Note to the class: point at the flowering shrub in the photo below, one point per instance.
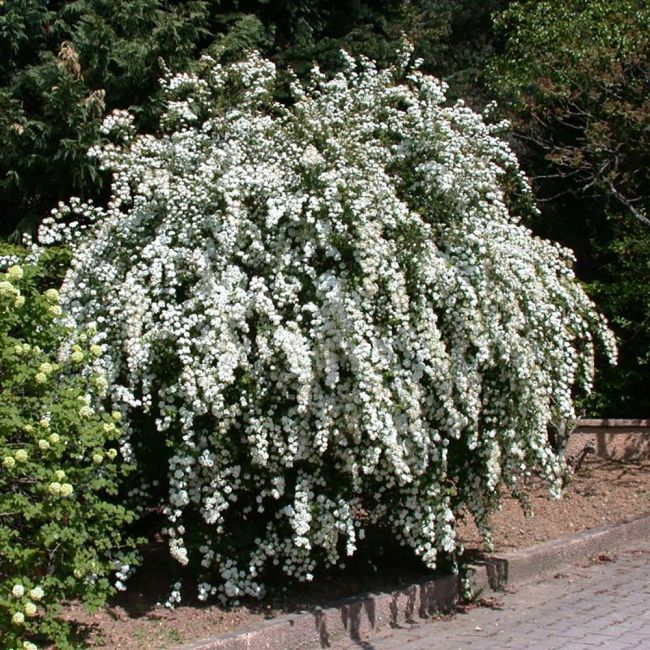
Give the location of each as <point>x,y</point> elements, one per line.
<point>330,313</point>
<point>60,533</point>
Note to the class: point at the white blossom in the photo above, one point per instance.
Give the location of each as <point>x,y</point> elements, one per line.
<point>332,311</point>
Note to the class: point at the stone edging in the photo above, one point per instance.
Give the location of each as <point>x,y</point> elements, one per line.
<point>356,617</point>
<point>350,618</point>
<point>541,560</point>
<point>616,426</point>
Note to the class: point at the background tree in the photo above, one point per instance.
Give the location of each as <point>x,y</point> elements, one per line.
<point>574,77</point>
<point>66,64</point>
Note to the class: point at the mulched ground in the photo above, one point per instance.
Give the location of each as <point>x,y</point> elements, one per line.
<point>604,491</point>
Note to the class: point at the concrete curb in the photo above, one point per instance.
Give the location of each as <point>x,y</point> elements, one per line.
<point>351,618</point>
<point>354,618</point>
<point>536,562</point>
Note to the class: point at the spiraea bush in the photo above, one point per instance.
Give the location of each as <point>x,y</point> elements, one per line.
<point>329,313</point>
<point>61,532</point>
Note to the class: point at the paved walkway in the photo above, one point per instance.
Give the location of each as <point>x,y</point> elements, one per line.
<point>605,605</point>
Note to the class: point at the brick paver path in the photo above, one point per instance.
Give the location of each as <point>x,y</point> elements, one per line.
<point>603,605</point>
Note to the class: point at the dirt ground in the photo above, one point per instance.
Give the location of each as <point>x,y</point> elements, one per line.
<point>603,491</point>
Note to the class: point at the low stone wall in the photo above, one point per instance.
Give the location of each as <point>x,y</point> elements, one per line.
<point>616,439</point>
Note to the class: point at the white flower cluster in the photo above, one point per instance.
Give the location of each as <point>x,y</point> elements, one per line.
<point>329,310</point>
<point>26,608</point>
<point>123,571</point>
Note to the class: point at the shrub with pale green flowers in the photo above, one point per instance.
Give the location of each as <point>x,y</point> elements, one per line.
<point>323,317</point>
<point>61,531</point>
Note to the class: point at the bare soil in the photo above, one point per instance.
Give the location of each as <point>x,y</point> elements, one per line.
<point>603,491</point>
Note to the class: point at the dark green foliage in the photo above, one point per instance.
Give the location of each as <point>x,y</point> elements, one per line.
<point>574,76</point>
<point>65,64</point>
<point>456,40</point>
<point>623,290</point>
<point>317,31</point>
<point>453,37</point>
